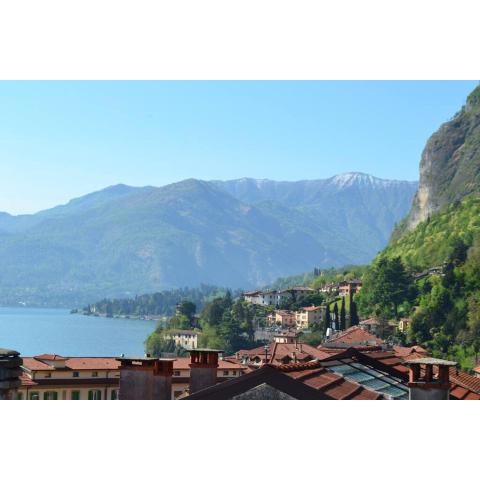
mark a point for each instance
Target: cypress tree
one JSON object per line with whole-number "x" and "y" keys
{"x": 343, "y": 316}
{"x": 354, "y": 320}
{"x": 328, "y": 319}
{"x": 335, "y": 315}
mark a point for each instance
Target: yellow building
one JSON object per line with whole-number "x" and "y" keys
{"x": 53, "y": 377}
{"x": 281, "y": 318}
{"x": 306, "y": 317}
{"x": 187, "y": 339}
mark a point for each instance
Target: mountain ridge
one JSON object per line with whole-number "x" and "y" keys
{"x": 127, "y": 240}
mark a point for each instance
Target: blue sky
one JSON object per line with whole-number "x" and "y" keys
{"x": 60, "y": 140}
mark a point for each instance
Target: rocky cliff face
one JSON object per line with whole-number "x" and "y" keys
{"x": 450, "y": 165}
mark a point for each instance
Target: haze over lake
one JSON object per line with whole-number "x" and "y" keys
{"x": 34, "y": 331}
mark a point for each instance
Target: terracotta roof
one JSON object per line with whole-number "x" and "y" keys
{"x": 311, "y": 309}
{"x": 375, "y": 321}
{"x": 51, "y": 357}
{"x": 277, "y": 352}
{"x": 353, "y": 336}
{"x": 314, "y": 375}
{"x": 73, "y": 363}
{"x": 409, "y": 353}
{"x": 464, "y": 385}
{"x": 308, "y": 381}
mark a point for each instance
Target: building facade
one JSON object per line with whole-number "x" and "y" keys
{"x": 53, "y": 377}
{"x": 308, "y": 316}
{"x": 281, "y": 318}
{"x": 187, "y": 339}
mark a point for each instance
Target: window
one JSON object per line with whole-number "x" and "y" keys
{"x": 94, "y": 374}
{"x": 234, "y": 373}
{"x": 48, "y": 375}
{"x": 225, "y": 373}
{"x": 75, "y": 395}
{"x": 34, "y": 396}
{"x": 76, "y": 374}
{"x": 50, "y": 395}
{"x": 176, "y": 373}
{"x": 114, "y": 395}
{"x": 95, "y": 395}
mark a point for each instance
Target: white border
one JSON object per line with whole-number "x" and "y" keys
{"x": 248, "y": 39}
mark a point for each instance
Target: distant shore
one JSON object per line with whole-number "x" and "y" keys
{"x": 128, "y": 317}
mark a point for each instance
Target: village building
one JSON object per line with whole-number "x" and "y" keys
{"x": 186, "y": 339}
{"x": 281, "y": 318}
{"x": 329, "y": 288}
{"x": 476, "y": 371}
{"x": 290, "y": 337}
{"x": 375, "y": 325}
{"x": 404, "y": 324}
{"x": 285, "y": 349}
{"x": 309, "y": 316}
{"x": 356, "y": 337}
{"x": 53, "y": 377}
{"x": 349, "y": 287}
{"x": 276, "y": 297}
{"x": 263, "y": 298}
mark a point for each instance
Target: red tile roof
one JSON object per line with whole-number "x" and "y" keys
{"x": 314, "y": 375}
{"x": 464, "y": 385}
{"x": 278, "y": 352}
{"x": 311, "y": 309}
{"x": 307, "y": 381}
{"x": 353, "y": 336}
{"x": 51, "y": 357}
{"x": 73, "y": 363}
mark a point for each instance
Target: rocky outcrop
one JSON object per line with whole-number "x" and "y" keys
{"x": 450, "y": 165}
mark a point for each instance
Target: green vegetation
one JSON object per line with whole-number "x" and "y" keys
{"x": 445, "y": 308}
{"x": 386, "y": 289}
{"x": 430, "y": 243}
{"x": 158, "y": 304}
{"x": 223, "y": 324}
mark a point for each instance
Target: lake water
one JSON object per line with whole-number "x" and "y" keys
{"x": 33, "y": 331}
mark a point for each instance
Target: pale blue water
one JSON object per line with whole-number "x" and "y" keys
{"x": 33, "y": 331}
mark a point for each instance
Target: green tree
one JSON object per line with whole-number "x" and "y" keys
{"x": 354, "y": 320}
{"x": 343, "y": 315}
{"x": 386, "y": 286}
{"x": 335, "y": 315}
{"x": 188, "y": 309}
{"x": 327, "y": 320}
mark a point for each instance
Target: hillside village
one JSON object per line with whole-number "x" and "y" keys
{"x": 350, "y": 365}
{"x": 351, "y": 362}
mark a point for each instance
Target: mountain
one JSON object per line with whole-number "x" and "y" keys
{"x": 128, "y": 240}
{"x": 446, "y": 207}
{"x": 450, "y": 164}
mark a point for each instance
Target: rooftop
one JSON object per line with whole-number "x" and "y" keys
{"x": 308, "y": 381}
{"x": 353, "y": 336}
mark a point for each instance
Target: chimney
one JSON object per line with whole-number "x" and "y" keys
{"x": 10, "y": 372}
{"x": 145, "y": 378}
{"x": 203, "y": 368}
{"x": 425, "y": 383}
